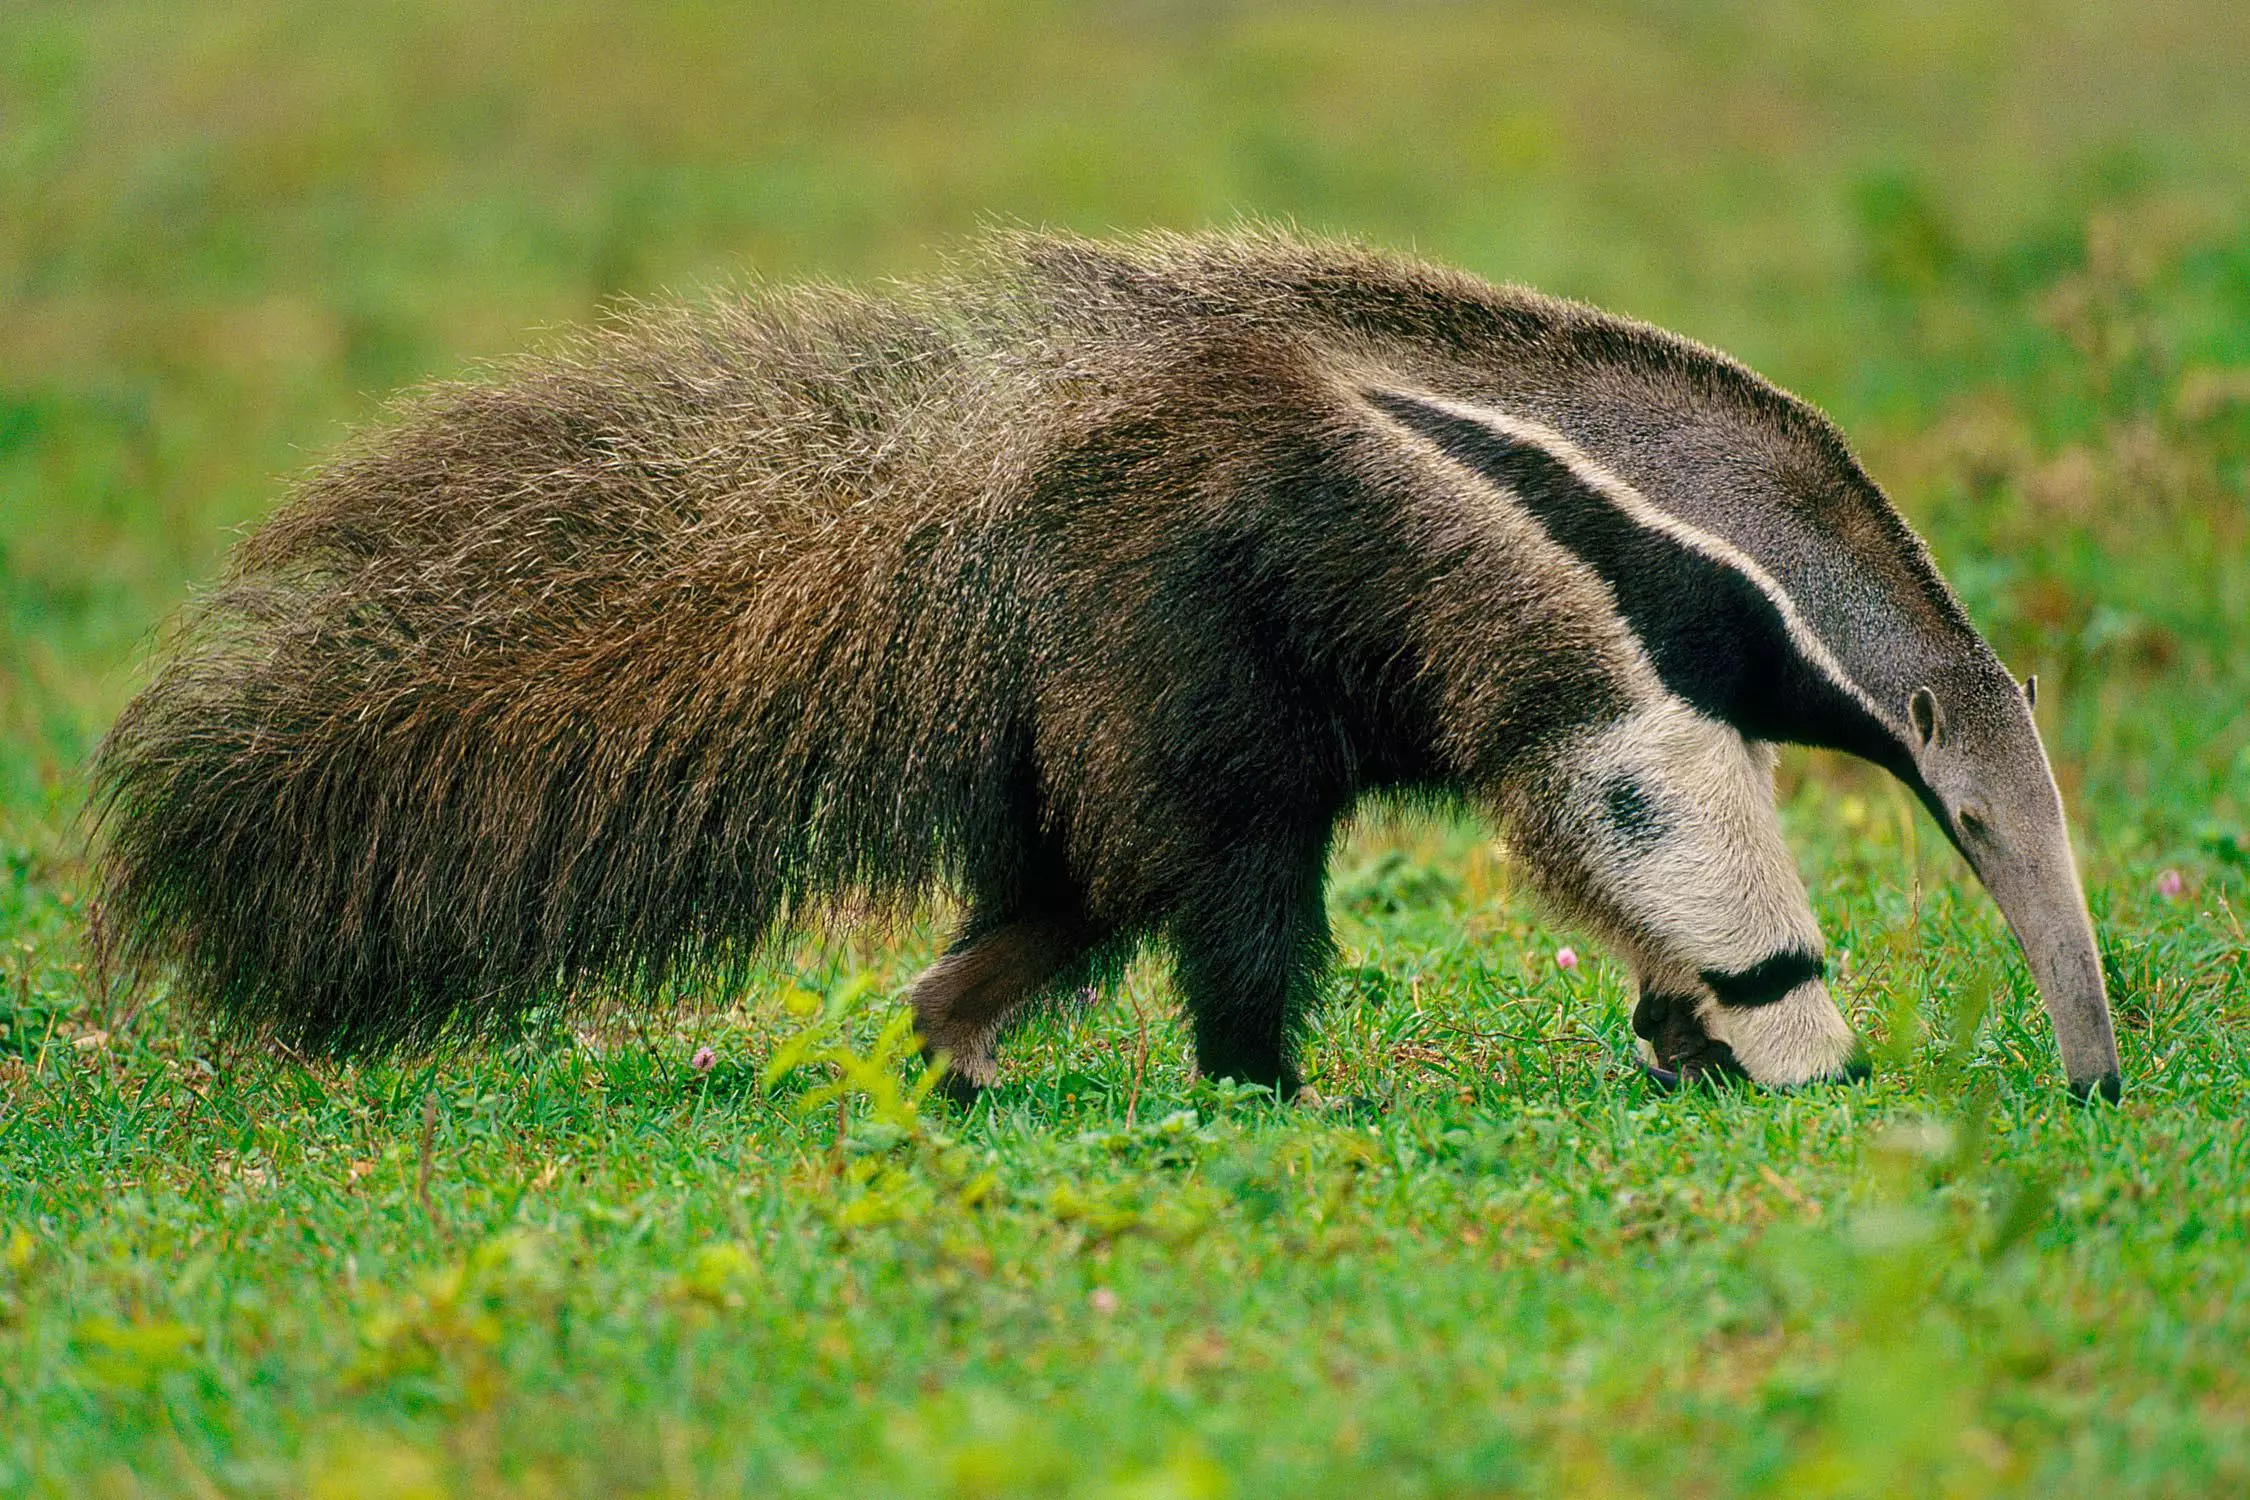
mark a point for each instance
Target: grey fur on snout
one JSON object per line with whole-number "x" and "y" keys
{"x": 1985, "y": 773}
{"x": 2036, "y": 888}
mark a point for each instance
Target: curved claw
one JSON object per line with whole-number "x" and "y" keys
{"x": 1710, "y": 1066}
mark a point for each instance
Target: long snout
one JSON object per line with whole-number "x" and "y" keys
{"x": 2034, "y": 881}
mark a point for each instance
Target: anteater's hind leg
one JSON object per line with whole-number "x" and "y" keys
{"x": 992, "y": 969}
{"x": 1251, "y": 942}
{"x": 1028, "y": 935}
{"x": 1660, "y": 832}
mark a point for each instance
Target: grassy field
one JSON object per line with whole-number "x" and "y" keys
{"x": 2007, "y": 244}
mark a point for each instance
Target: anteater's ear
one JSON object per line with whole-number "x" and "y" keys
{"x": 1928, "y": 719}
{"x": 2031, "y": 691}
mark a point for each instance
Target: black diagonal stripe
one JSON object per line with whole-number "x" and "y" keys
{"x": 1715, "y": 638}
{"x": 1767, "y": 980}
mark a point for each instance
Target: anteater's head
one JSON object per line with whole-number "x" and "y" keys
{"x": 1974, "y": 756}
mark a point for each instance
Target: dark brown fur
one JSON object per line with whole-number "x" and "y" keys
{"x": 1078, "y": 585}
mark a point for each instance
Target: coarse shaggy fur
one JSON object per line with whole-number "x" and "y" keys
{"x": 1081, "y": 583}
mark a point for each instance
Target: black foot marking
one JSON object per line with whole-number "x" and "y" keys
{"x": 1685, "y": 1055}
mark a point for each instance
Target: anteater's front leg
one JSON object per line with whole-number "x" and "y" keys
{"x": 1660, "y": 831}
{"x": 1252, "y": 947}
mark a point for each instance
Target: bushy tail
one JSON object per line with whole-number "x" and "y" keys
{"x": 594, "y": 675}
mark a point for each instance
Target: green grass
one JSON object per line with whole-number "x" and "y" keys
{"x": 2007, "y": 244}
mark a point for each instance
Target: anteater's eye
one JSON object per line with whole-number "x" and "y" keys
{"x": 1971, "y": 820}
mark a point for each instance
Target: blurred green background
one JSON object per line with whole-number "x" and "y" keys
{"x": 2006, "y": 244}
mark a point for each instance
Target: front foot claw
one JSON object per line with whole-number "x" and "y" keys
{"x": 1663, "y": 1080}
{"x": 1712, "y": 1067}
{"x": 1678, "y": 1054}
